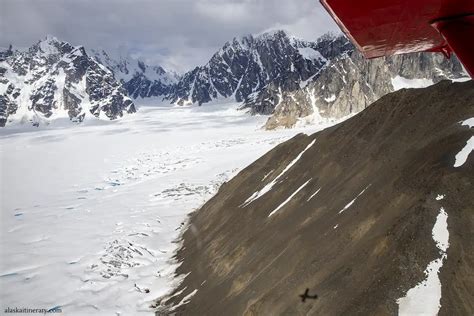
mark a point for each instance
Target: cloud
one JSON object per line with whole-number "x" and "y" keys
{"x": 224, "y": 12}
{"x": 177, "y": 34}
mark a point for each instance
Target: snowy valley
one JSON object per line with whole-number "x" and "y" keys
{"x": 99, "y": 211}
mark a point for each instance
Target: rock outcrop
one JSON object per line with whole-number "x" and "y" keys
{"x": 349, "y": 83}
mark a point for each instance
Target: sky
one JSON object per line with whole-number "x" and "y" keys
{"x": 176, "y": 34}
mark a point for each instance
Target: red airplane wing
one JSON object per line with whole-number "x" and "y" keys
{"x": 387, "y": 27}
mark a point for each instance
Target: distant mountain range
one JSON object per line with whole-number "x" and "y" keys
{"x": 249, "y": 64}
{"x": 138, "y": 78}
{"x": 272, "y": 73}
{"x": 53, "y": 79}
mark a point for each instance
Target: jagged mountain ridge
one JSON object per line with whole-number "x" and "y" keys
{"x": 272, "y": 74}
{"x": 350, "y": 82}
{"x": 246, "y": 65}
{"x": 53, "y": 79}
{"x": 291, "y": 79}
{"x": 139, "y": 79}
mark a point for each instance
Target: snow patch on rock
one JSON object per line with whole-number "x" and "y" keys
{"x": 270, "y": 185}
{"x": 289, "y": 198}
{"x": 461, "y": 157}
{"x": 400, "y": 82}
{"x": 425, "y": 298}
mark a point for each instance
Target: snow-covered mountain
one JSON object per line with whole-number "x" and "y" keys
{"x": 271, "y": 73}
{"x": 349, "y": 83}
{"x": 53, "y": 79}
{"x": 140, "y": 80}
{"x": 247, "y": 64}
{"x": 274, "y": 73}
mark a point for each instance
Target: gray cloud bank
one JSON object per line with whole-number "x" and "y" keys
{"x": 177, "y": 34}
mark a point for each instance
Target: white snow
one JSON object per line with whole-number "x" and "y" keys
{"x": 462, "y": 79}
{"x": 315, "y": 117}
{"x": 39, "y": 77}
{"x": 309, "y": 53}
{"x": 404, "y": 83}
{"x": 270, "y": 185}
{"x": 461, "y": 156}
{"x": 352, "y": 202}
{"x": 440, "y": 197}
{"x": 125, "y": 67}
{"x": 469, "y": 122}
{"x": 289, "y": 198}
{"x": 89, "y": 211}
{"x": 47, "y": 45}
{"x": 185, "y": 300}
{"x": 330, "y": 99}
{"x": 424, "y": 298}
{"x": 266, "y": 176}
{"x": 440, "y": 231}
{"x": 313, "y": 195}
{"x": 348, "y": 205}
{"x": 304, "y": 83}
{"x": 335, "y": 226}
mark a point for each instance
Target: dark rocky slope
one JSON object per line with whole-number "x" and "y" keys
{"x": 401, "y": 149}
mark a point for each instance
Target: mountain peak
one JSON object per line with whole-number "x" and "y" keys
{"x": 247, "y": 64}
{"x": 47, "y": 82}
{"x": 278, "y": 33}
{"x": 265, "y": 36}
{"x": 50, "y": 38}
{"x": 51, "y": 45}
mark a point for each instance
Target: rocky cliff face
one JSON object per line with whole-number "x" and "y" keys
{"x": 246, "y": 65}
{"x": 139, "y": 79}
{"x": 290, "y": 79}
{"x": 361, "y": 217}
{"x": 53, "y": 79}
{"x": 349, "y": 83}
